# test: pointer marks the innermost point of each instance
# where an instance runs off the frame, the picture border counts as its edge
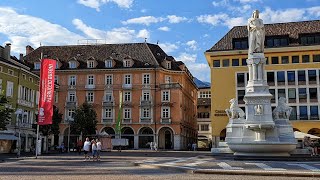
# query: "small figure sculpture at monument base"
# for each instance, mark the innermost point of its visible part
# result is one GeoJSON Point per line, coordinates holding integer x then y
{"type": "Point", "coordinates": [234, 112]}
{"type": "Point", "coordinates": [282, 111]}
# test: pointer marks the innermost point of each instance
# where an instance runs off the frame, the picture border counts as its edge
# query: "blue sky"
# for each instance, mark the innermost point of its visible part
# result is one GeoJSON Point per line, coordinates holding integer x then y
{"type": "Point", "coordinates": [185, 29]}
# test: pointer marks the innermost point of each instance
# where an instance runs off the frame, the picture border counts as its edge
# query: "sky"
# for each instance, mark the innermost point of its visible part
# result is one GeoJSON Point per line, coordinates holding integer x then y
{"type": "Point", "coordinates": [184, 29]}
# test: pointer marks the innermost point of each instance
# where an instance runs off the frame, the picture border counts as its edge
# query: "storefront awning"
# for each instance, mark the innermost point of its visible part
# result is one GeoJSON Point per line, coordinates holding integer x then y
{"type": "Point", "coordinates": [8, 137]}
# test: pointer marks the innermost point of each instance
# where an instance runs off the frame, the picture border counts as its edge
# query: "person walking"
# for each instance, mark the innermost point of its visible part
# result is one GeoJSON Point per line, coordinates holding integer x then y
{"type": "Point", "coordinates": [94, 150]}
{"type": "Point", "coordinates": [79, 146]}
{"type": "Point", "coordinates": [86, 149]}
{"type": "Point", "coordinates": [99, 147]}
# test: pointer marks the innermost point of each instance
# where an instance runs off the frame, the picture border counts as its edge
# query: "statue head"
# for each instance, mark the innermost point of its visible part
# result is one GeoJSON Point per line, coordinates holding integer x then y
{"type": "Point", "coordinates": [255, 14]}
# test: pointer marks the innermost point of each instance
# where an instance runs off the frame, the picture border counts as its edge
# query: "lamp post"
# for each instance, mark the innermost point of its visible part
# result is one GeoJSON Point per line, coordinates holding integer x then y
{"type": "Point", "coordinates": [19, 113]}
{"type": "Point", "coordinates": [37, 146]}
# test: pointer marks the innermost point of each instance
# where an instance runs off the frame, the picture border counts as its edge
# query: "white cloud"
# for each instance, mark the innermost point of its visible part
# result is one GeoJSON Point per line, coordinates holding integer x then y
{"type": "Point", "coordinates": [95, 4]}
{"type": "Point", "coordinates": [192, 44]}
{"type": "Point", "coordinates": [212, 19]}
{"type": "Point", "coordinates": [286, 15]}
{"type": "Point", "coordinates": [89, 31]}
{"type": "Point", "coordinates": [143, 10]}
{"type": "Point", "coordinates": [143, 34]}
{"type": "Point", "coordinates": [200, 71]}
{"type": "Point", "coordinates": [164, 28]}
{"type": "Point", "coordinates": [176, 19]}
{"type": "Point", "coordinates": [220, 3]}
{"type": "Point", "coordinates": [187, 58]}
{"type": "Point", "coordinates": [314, 11]}
{"type": "Point", "coordinates": [146, 20]}
{"type": "Point", "coordinates": [23, 30]}
{"type": "Point", "coordinates": [247, 1]}
{"type": "Point", "coordinates": [238, 21]}
{"type": "Point", "coordinates": [168, 47]}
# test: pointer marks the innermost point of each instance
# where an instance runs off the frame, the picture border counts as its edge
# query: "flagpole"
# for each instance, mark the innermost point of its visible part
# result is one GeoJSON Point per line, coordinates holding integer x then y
{"type": "Point", "coordinates": [37, 148]}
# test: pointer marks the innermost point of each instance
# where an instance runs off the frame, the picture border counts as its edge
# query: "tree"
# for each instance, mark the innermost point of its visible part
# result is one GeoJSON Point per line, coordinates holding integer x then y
{"type": "Point", "coordinates": [5, 113]}
{"type": "Point", "coordinates": [54, 127]}
{"type": "Point", "coordinates": [85, 120]}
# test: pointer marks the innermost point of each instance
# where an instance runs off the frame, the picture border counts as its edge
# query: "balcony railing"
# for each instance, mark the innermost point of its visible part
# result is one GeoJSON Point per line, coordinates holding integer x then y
{"type": "Point", "coordinates": [25, 103]}
{"type": "Point", "coordinates": [171, 86]}
{"type": "Point", "coordinates": [127, 121]}
{"type": "Point", "coordinates": [107, 120]}
{"type": "Point", "coordinates": [108, 86]}
{"type": "Point", "coordinates": [165, 120]}
{"type": "Point", "coordinates": [70, 104]}
{"type": "Point", "coordinates": [126, 86]}
{"type": "Point", "coordinates": [108, 103]}
{"type": "Point", "coordinates": [71, 87]}
{"type": "Point", "coordinates": [146, 120]}
{"type": "Point", "coordinates": [90, 86]}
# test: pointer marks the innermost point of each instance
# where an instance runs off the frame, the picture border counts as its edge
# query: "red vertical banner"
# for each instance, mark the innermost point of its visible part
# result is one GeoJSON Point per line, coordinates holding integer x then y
{"type": "Point", "coordinates": [46, 98]}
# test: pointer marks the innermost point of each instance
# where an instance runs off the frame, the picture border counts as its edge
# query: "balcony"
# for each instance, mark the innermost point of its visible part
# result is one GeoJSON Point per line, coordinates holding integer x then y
{"type": "Point", "coordinates": [126, 86]}
{"type": "Point", "coordinates": [71, 104]}
{"type": "Point", "coordinates": [171, 86]}
{"type": "Point", "coordinates": [144, 103]}
{"type": "Point", "coordinates": [108, 103]}
{"type": "Point", "coordinates": [127, 104]}
{"type": "Point", "coordinates": [72, 87]}
{"type": "Point", "coordinates": [165, 120]}
{"type": "Point", "coordinates": [146, 86]}
{"type": "Point", "coordinates": [90, 86]}
{"type": "Point", "coordinates": [107, 120]}
{"type": "Point", "coordinates": [145, 120]}
{"type": "Point", "coordinates": [23, 102]}
{"type": "Point", "coordinates": [127, 121]}
{"type": "Point", "coordinates": [170, 104]}
{"type": "Point", "coordinates": [108, 86]}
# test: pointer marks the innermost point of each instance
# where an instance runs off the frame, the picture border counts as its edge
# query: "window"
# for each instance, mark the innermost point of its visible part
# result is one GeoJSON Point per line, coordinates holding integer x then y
{"type": "Point", "coordinates": [244, 61]}
{"type": "Point", "coordinates": [146, 78]}
{"type": "Point", "coordinates": [225, 62]}
{"type": "Point", "coordinates": [71, 113]}
{"type": "Point", "coordinates": [280, 77]}
{"type": "Point", "coordinates": [301, 76]}
{"type": "Point", "coordinates": [145, 113]}
{"type": "Point", "coordinates": [302, 94]}
{"type": "Point", "coordinates": [72, 64]}
{"type": "Point", "coordinates": [72, 80]}
{"type": "Point", "coordinates": [90, 64]}
{"type": "Point", "coordinates": [108, 113]}
{"type": "Point", "coordinates": [312, 76]}
{"type": "Point", "coordinates": [9, 91]}
{"type": "Point", "coordinates": [168, 65]}
{"type": "Point", "coordinates": [270, 78]}
{"type": "Point", "coordinates": [165, 112]}
{"type": "Point", "coordinates": [108, 97]}
{"type": "Point", "coordinates": [240, 43]}
{"type": "Point", "coordinates": [167, 79]}
{"type": "Point", "coordinates": [241, 94]}
{"type": "Point", "coordinates": [127, 113]}
{"type": "Point", "coordinates": [308, 39]}
{"type": "Point", "coordinates": [30, 79]}
{"type": "Point", "coordinates": [165, 96]}
{"type": "Point", "coordinates": [314, 113]}
{"type": "Point", "coordinates": [127, 79]}
{"type": "Point", "coordinates": [216, 63]}
{"type": "Point", "coordinates": [204, 94]}
{"type": "Point", "coordinates": [127, 63]}
{"type": "Point", "coordinates": [305, 58]}
{"type": "Point", "coordinates": [284, 59]}
{"type": "Point", "coordinates": [108, 63]}
{"type": "Point", "coordinates": [109, 80]}
{"type": "Point", "coordinates": [56, 79]}
{"type": "Point", "coordinates": [277, 41]}
{"type": "Point", "coordinates": [303, 113]}
{"type": "Point", "coordinates": [127, 96]}
{"type": "Point", "coordinates": [293, 115]}
{"type": "Point", "coordinates": [90, 80]}
{"type": "Point", "coordinates": [275, 60]}
{"type": "Point", "coordinates": [240, 79]}
{"type": "Point", "coordinates": [204, 127]}
{"type": "Point", "coordinates": [146, 95]}
{"type": "Point", "coordinates": [316, 58]}
{"type": "Point", "coordinates": [292, 94]}
{"type": "Point", "coordinates": [24, 76]}
{"type": "Point", "coordinates": [281, 93]}
{"type": "Point", "coordinates": [235, 62]}
{"type": "Point", "coordinates": [72, 96]}
{"type": "Point", "coordinates": [90, 97]}
{"type": "Point", "coordinates": [291, 75]}
{"type": "Point", "coordinates": [313, 94]}
{"type": "Point", "coordinates": [273, 93]}
{"type": "Point", "coordinates": [37, 65]}
{"type": "Point", "coordinates": [11, 72]}
{"type": "Point", "coordinates": [295, 59]}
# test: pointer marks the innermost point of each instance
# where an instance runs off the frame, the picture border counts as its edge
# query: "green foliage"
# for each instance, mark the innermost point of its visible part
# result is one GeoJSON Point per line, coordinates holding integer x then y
{"type": "Point", "coordinates": [5, 113]}
{"type": "Point", "coordinates": [54, 127]}
{"type": "Point", "coordinates": [85, 120]}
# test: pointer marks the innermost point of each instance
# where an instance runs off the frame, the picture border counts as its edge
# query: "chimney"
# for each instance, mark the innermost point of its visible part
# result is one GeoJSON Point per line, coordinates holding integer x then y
{"type": "Point", "coordinates": [7, 51]}
{"type": "Point", "coordinates": [29, 49]}
{"type": "Point", "coordinates": [21, 57]}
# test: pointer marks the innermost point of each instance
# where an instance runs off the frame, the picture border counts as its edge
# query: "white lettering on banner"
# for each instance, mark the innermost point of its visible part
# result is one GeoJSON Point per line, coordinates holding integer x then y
{"type": "Point", "coordinates": [49, 83]}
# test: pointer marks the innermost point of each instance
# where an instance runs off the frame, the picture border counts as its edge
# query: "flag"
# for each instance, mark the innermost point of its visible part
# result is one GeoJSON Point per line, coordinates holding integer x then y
{"type": "Point", "coordinates": [46, 98]}
{"type": "Point", "coordinates": [118, 125]}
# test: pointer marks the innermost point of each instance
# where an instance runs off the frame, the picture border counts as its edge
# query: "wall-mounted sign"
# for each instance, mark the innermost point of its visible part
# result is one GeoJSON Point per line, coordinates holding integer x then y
{"type": "Point", "coordinates": [220, 113]}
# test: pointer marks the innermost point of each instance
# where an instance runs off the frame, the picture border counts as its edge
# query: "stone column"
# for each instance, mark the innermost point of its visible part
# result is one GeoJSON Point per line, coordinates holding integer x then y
{"type": "Point", "coordinates": [26, 149]}
{"type": "Point", "coordinates": [136, 142]}
{"type": "Point", "coordinates": [254, 71]}
{"type": "Point", "coordinates": [177, 142]}
{"type": "Point", "coordinates": [250, 72]}
{"type": "Point", "coordinates": [260, 72]}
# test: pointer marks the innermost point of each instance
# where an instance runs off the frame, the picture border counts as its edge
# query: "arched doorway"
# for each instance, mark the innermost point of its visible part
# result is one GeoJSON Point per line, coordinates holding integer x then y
{"type": "Point", "coordinates": [165, 138]}
{"type": "Point", "coordinates": [109, 130]}
{"type": "Point", "coordinates": [223, 135]}
{"type": "Point", "coordinates": [146, 136]}
{"type": "Point", "coordinates": [127, 133]}
{"type": "Point", "coordinates": [314, 131]}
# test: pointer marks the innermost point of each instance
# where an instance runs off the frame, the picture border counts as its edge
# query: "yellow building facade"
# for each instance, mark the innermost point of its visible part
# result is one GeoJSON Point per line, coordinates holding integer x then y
{"type": "Point", "coordinates": [292, 70]}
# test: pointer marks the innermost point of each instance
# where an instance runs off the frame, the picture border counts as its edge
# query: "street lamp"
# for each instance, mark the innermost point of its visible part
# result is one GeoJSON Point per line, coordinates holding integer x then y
{"type": "Point", "coordinates": [19, 113]}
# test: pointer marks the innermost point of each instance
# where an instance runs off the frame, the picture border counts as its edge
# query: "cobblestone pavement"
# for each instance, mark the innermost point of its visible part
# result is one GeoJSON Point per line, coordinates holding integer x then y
{"type": "Point", "coordinates": [115, 165]}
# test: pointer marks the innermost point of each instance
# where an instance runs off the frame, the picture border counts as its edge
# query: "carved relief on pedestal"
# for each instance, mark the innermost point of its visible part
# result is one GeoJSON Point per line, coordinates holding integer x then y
{"type": "Point", "coordinates": [234, 112]}
{"type": "Point", "coordinates": [257, 101]}
{"type": "Point", "coordinates": [282, 111]}
{"type": "Point", "coordinates": [258, 110]}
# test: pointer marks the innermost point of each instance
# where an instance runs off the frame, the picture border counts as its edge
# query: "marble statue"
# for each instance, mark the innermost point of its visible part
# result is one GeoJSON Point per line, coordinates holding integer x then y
{"type": "Point", "coordinates": [234, 112]}
{"type": "Point", "coordinates": [282, 111]}
{"type": "Point", "coordinates": [256, 34]}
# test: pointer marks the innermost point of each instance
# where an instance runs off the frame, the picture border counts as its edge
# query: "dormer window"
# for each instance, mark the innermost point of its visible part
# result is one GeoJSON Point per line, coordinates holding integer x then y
{"type": "Point", "coordinates": [72, 64]}
{"type": "Point", "coordinates": [37, 65]}
{"type": "Point", "coordinates": [127, 63]}
{"type": "Point", "coordinates": [108, 63]}
{"type": "Point", "coordinates": [168, 65]}
{"type": "Point", "coordinates": [90, 64]}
